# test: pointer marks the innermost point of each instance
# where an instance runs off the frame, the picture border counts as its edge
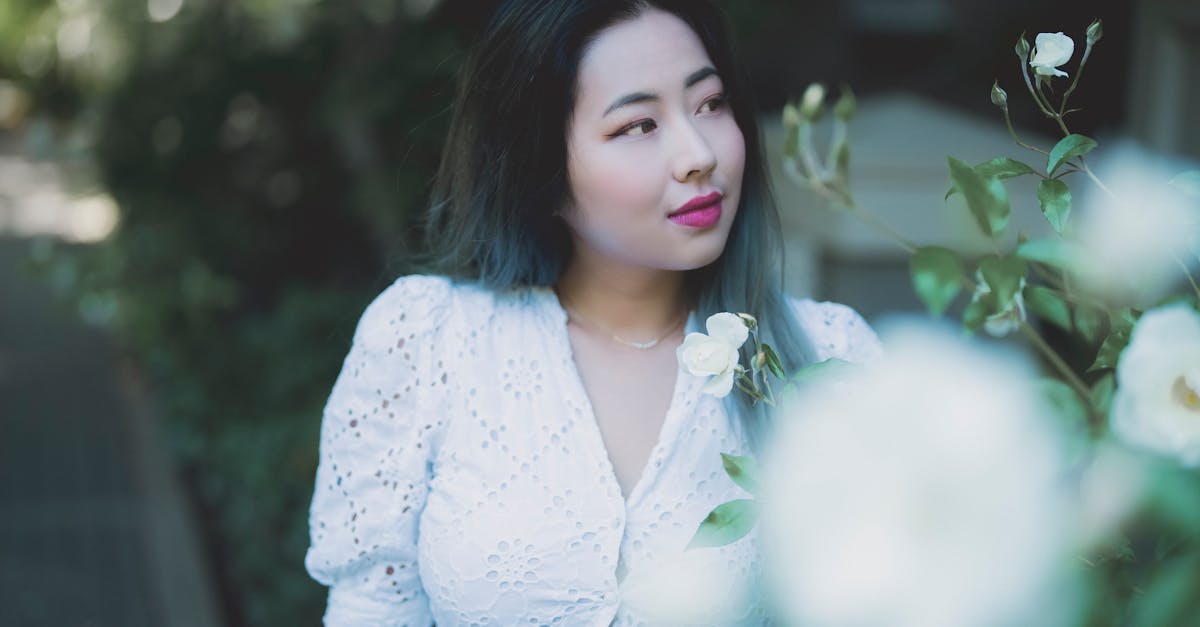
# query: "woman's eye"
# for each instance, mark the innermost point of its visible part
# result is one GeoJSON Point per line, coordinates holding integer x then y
{"type": "Point", "coordinates": [713, 104]}
{"type": "Point", "coordinates": [639, 128]}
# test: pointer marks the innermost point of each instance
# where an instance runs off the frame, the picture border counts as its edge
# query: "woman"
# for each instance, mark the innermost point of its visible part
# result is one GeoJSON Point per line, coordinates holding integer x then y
{"type": "Point", "coordinates": [511, 438]}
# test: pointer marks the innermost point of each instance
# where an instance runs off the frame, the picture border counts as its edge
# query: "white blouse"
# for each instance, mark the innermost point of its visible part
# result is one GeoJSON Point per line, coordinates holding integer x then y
{"type": "Point", "coordinates": [463, 479]}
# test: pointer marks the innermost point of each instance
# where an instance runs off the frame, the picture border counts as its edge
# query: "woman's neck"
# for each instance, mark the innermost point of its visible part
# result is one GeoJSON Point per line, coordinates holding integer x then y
{"type": "Point", "coordinates": [628, 301]}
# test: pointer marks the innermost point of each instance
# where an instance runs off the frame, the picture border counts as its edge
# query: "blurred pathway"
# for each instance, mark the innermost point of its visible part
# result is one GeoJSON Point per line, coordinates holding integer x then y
{"type": "Point", "coordinates": [94, 529]}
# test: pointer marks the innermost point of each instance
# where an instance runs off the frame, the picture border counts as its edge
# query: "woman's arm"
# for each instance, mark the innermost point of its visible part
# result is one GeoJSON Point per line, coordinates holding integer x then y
{"type": "Point", "coordinates": [374, 469]}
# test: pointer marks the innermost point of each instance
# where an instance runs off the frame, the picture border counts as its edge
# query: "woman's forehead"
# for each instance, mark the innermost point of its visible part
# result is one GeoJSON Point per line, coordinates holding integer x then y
{"type": "Point", "coordinates": [655, 52]}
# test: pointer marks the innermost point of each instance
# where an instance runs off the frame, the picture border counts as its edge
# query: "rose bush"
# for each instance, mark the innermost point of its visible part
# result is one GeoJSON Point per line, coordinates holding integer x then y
{"type": "Point", "coordinates": [1117, 280]}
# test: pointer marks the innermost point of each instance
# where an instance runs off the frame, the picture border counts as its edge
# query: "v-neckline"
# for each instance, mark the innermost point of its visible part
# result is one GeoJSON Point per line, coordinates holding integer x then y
{"type": "Point", "coordinates": [666, 429]}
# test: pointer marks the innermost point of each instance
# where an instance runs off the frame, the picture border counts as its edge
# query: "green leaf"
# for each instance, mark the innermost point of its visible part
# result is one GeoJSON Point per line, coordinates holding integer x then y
{"type": "Point", "coordinates": [1110, 350]}
{"type": "Point", "coordinates": [832, 367]}
{"type": "Point", "coordinates": [1188, 181]}
{"type": "Point", "coordinates": [999, 209]}
{"type": "Point", "coordinates": [841, 161]}
{"type": "Point", "coordinates": [1123, 319]}
{"type": "Point", "coordinates": [1089, 321]}
{"type": "Point", "coordinates": [1055, 199]}
{"type": "Point", "coordinates": [1064, 399]}
{"type": "Point", "coordinates": [1102, 393]}
{"type": "Point", "coordinates": [1072, 412]}
{"type": "Point", "coordinates": [791, 143]}
{"type": "Point", "coordinates": [1069, 147]}
{"type": "Point", "coordinates": [936, 276]}
{"type": "Point", "coordinates": [846, 105]}
{"type": "Point", "coordinates": [985, 196]}
{"type": "Point", "coordinates": [1003, 275]}
{"type": "Point", "coordinates": [977, 311]}
{"type": "Point", "coordinates": [743, 471]}
{"type": "Point", "coordinates": [1052, 252]}
{"type": "Point", "coordinates": [726, 524]}
{"type": "Point", "coordinates": [1121, 323]}
{"type": "Point", "coordinates": [774, 364]}
{"type": "Point", "coordinates": [1000, 167]}
{"type": "Point", "coordinates": [1049, 306]}
{"type": "Point", "coordinates": [1004, 168]}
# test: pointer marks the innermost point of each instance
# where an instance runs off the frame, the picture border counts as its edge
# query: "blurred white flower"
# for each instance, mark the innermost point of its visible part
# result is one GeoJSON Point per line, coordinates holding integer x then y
{"type": "Point", "coordinates": [1050, 51]}
{"type": "Point", "coordinates": [688, 588]}
{"type": "Point", "coordinates": [927, 496]}
{"type": "Point", "coordinates": [1157, 402]}
{"type": "Point", "coordinates": [1136, 238]}
{"type": "Point", "coordinates": [163, 10]}
{"type": "Point", "coordinates": [715, 354]}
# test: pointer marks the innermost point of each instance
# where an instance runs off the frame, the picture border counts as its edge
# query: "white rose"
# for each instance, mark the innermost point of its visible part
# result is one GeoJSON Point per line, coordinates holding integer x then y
{"type": "Point", "coordinates": [1135, 238]}
{"type": "Point", "coordinates": [1157, 402]}
{"type": "Point", "coordinates": [1050, 51]}
{"type": "Point", "coordinates": [930, 497]}
{"type": "Point", "coordinates": [715, 354]}
{"type": "Point", "coordinates": [693, 587]}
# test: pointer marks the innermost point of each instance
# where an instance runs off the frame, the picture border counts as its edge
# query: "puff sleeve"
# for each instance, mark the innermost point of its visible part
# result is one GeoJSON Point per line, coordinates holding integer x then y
{"type": "Point", "coordinates": [378, 429]}
{"type": "Point", "coordinates": [837, 331]}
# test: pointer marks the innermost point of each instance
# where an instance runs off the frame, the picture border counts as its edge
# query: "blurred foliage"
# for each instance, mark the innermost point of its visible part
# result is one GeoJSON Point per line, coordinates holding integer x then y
{"type": "Point", "coordinates": [267, 157]}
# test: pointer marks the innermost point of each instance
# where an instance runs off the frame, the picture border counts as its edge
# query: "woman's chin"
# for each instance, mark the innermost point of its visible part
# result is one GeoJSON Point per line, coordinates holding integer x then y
{"type": "Point", "coordinates": [699, 258]}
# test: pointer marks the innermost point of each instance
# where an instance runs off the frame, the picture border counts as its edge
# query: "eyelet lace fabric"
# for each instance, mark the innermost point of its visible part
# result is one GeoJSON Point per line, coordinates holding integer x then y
{"type": "Point", "coordinates": [463, 479]}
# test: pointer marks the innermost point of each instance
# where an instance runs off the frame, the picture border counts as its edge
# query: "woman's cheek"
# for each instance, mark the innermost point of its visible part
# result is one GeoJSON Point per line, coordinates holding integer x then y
{"type": "Point", "coordinates": [625, 181]}
{"type": "Point", "coordinates": [736, 151]}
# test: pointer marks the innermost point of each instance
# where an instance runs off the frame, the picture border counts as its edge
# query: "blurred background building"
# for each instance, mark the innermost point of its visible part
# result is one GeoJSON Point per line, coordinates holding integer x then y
{"type": "Point", "coordinates": [197, 199]}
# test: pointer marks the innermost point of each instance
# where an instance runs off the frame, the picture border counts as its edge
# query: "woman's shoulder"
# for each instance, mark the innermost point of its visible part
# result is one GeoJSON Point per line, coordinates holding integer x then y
{"type": "Point", "coordinates": [416, 301]}
{"type": "Point", "coordinates": [430, 302]}
{"type": "Point", "coordinates": [836, 330]}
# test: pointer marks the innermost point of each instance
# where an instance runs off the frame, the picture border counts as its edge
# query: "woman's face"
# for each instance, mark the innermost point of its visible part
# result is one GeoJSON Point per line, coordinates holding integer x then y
{"type": "Point", "coordinates": [654, 155]}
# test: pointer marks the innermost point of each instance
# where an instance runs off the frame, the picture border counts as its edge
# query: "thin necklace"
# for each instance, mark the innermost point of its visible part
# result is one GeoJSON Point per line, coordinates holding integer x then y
{"type": "Point", "coordinates": [620, 340]}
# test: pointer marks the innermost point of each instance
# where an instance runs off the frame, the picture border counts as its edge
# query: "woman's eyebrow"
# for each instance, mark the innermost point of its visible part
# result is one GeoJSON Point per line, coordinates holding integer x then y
{"type": "Point", "coordinates": [641, 96]}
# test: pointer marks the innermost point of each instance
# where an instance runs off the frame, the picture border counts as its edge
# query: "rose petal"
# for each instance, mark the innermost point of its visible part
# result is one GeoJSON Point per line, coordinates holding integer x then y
{"type": "Point", "coordinates": [1048, 71]}
{"type": "Point", "coordinates": [728, 327]}
{"type": "Point", "coordinates": [1052, 49]}
{"type": "Point", "coordinates": [720, 385]}
{"type": "Point", "coordinates": [702, 355]}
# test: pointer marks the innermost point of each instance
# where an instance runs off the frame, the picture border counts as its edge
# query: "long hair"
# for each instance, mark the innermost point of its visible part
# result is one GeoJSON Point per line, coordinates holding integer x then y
{"type": "Point", "coordinates": [503, 173]}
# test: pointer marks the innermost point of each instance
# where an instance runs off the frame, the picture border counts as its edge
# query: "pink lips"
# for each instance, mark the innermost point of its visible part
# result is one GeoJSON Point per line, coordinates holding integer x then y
{"type": "Point", "coordinates": [699, 212]}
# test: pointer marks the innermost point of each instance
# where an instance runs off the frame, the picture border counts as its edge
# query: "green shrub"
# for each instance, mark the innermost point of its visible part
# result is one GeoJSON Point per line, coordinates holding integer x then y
{"type": "Point", "coordinates": [266, 159]}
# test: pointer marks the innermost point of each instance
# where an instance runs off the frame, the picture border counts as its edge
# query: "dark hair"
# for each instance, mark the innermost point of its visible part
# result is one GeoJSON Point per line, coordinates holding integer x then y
{"type": "Point", "coordinates": [503, 173]}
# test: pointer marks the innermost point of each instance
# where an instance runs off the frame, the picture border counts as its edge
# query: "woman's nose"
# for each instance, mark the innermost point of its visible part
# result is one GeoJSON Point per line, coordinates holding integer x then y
{"type": "Point", "coordinates": [695, 157]}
